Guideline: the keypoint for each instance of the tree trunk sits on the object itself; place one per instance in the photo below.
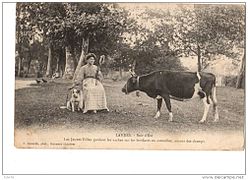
(120, 71)
(241, 76)
(69, 66)
(199, 64)
(29, 61)
(18, 46)
(49, 62)
(38, 70)
(134, 65)
(19, 65)
(26, 63)
(84, 51)
(61, 62)
(57, 65)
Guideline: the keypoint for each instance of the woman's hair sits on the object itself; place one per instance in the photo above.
(88, 56)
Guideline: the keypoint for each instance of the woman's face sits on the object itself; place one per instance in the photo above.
(91, 60)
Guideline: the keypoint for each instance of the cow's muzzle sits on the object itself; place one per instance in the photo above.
(124, 90)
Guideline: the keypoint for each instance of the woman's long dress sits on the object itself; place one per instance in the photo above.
(93, 92)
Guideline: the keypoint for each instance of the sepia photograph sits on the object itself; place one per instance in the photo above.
(147, 76)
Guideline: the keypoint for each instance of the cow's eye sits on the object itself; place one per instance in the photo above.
(133, 80)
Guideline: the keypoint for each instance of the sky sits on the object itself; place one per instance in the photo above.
(170, 6)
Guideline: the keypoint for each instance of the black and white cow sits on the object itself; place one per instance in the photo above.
(176, 85)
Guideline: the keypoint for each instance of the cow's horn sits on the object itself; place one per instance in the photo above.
(131, 72)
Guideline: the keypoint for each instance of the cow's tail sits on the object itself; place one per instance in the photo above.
(213, 97)
(213, 91)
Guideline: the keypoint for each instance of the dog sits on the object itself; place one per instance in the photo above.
(74, 102)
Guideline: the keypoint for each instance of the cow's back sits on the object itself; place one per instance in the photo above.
(178, 84)
(182, 84)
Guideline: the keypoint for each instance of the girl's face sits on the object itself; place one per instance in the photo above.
(91, 60)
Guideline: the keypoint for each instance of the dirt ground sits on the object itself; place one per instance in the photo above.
(38, 106)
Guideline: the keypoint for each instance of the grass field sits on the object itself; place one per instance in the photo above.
(38, 106)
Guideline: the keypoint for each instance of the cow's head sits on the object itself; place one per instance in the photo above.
(131, 84)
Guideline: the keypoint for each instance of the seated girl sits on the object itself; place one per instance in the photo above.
(93, 93)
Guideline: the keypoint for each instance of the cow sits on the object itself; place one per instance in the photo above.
(176, 85)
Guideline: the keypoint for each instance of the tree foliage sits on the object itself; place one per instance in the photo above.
(207, 30)
(151, 39)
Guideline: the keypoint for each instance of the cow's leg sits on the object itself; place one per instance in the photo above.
(206, 103)
(214, 99)
(159, 104)
(168, 105)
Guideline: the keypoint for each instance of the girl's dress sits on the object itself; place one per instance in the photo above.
(93, 93)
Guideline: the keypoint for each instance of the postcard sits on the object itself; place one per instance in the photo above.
(161, 76)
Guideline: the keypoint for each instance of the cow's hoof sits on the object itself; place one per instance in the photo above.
(216, 120)
(202, 121)
(157, 115)
(170, 117)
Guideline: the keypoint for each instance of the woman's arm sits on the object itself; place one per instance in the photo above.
(100, 76)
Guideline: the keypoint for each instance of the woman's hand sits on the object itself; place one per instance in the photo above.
(73, 86)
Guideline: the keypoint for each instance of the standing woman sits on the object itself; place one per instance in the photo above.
(90, 77)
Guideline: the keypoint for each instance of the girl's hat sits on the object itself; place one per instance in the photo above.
(88, 56)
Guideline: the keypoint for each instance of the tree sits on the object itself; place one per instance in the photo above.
(100, 28)
(18, 43)
(241, 77)
(38, 22)
(235, 32)
(24, 36)
(76, 27)
(50, 21)
(153, 35)
(202, 31)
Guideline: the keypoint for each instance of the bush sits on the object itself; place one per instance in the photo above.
(147, 65)
(115, 75)
(230, 81)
